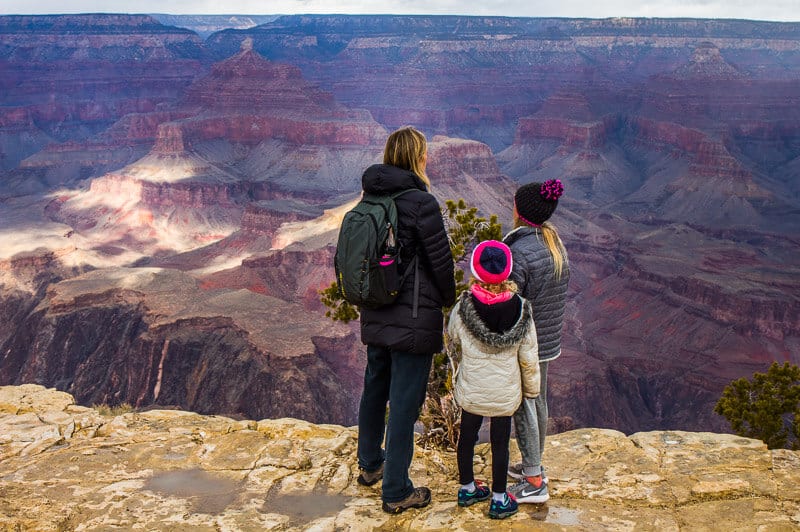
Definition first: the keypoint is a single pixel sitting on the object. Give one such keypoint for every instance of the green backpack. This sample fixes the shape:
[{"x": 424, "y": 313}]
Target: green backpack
[{"x": 367, "y": 252}]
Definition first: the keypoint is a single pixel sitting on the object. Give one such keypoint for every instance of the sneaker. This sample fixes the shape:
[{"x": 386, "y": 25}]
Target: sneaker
[
  {"x": 368, "y": 478},
  {"x": 419, "y": 498},
  {"x": 505, "y": 509},
  {"x": 468, "y": 498},
  {"x": 515, "y": 471},
  {"x": 525, "y": 491}
]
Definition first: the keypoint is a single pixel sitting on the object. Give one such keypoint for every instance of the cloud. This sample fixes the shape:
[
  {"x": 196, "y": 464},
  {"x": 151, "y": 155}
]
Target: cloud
[{"x": 786, "y": 10}]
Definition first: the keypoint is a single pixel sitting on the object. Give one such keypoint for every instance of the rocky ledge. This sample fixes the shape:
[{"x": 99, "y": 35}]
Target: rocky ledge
[{"x": 67, "y": 467}]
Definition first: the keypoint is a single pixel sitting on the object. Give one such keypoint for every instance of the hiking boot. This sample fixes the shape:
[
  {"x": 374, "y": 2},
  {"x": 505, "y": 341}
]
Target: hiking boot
[
  {"x": 468, "y": 498},
  {"x": 526, "y": 490},
  {"x": 368, "y": 478},
  {"x": 505, "y": 509},
  {"x": 419, "y": 498},
  {"x": 515, "y": 471}
]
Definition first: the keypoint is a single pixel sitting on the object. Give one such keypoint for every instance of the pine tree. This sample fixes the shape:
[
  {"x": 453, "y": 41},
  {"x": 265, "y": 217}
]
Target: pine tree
[
  {"x": 767, "y": 407},
  {"x": 441, "y": 417}
]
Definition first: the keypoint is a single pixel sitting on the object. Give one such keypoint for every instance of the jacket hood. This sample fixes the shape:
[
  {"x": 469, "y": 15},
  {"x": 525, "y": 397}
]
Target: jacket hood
[
  {"x": 474, "y": 324},
  {"x": 384, "y": 179},
  {"x": 518, "y": 233}
]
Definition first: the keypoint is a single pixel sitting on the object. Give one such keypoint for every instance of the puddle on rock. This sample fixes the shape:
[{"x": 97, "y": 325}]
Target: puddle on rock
[
  {"x": 304, "y": 507},
  {"x": 556, "y": 515},
  {"x": 209, "y": 494}
]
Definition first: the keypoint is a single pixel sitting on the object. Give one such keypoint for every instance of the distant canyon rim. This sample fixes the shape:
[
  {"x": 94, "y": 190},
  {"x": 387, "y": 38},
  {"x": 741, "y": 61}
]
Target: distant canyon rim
[{"x": 171, "y": 188}]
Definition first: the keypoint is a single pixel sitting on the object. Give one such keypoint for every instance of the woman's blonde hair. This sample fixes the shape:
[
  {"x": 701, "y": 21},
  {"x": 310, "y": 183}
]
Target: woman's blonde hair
[
  {"x": 506, "y": 286},
  {"x": 553, "y": 243},
  {"x": 407, "y": 148}
]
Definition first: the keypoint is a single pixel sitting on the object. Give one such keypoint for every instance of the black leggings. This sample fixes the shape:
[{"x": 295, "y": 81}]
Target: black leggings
[{"x": 500, "y": 433}]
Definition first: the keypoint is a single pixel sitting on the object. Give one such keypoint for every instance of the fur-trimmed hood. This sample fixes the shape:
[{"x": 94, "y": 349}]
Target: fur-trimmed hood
[
  {"x": 476, "y": 326},
  {"x": 495, "y": 370}
]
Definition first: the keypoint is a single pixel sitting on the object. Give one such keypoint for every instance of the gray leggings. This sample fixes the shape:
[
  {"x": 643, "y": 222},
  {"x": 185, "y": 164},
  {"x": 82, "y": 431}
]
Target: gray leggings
[{"x": 530, "y": 422}]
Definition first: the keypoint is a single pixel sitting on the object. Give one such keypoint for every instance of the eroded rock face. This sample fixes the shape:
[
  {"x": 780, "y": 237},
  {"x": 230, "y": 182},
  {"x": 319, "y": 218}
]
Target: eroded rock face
[
  {"x": 149, "y": 336},
  {"x": 65, "y": 83},
  {"x": 680, "y": 213},
  {"x": 66, "y": 467}
]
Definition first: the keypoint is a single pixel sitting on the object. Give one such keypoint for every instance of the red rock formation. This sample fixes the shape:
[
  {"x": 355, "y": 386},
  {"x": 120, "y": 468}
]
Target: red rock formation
[
  {"x": 451, "y": 159},
  {"x": 251, "y": 83},
  {"x": 248, "y": 99},
  {"x": 252, "y": 129},
  {"x": 150, "y": 337},
  {"x": 266, "y": 218},
  {"x": 75, "y": 75},
  {"x": 712, "y": 160},
  {"x": 588, "y": 135},
  {"x": 292, "y": 274},
  {"x": 644, "y": 125},
  {"x": 666, "y": 319},
  {"x": 669, "y": 137},
  {"x": 707, "y": 63}
]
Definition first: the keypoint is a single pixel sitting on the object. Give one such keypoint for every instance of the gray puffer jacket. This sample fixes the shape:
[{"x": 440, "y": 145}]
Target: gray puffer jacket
[
  {"x": 495, "y": 369},
  {"x": 534, "y": 274}
]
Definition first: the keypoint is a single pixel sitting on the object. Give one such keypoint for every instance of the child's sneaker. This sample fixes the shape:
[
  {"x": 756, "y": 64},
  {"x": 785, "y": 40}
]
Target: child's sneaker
[
  {"x": 501, "y": 510},
  {"x": 529, "y": 490},
  {"x": 515, "y": 471},
  {"x": 468, "y": 498}
]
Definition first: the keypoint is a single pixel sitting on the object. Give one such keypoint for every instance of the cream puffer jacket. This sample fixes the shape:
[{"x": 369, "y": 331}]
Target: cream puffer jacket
[{"x": 495, "y": 370}]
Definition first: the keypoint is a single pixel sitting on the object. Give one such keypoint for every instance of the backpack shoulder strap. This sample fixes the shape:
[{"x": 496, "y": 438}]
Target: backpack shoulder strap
[{"x": 411, "y": 268}]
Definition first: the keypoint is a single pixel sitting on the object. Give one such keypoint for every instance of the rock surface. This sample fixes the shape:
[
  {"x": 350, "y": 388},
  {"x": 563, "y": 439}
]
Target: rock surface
[{"x": 65, "y": 467}]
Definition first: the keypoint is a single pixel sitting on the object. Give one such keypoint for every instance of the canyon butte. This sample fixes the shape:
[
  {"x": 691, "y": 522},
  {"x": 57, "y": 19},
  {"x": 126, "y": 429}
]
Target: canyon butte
[{"x": 171, "y": 189}]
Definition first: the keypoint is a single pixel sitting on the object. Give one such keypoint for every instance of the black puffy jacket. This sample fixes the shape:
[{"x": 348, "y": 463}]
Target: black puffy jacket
[{"x": 420, "y": 232}]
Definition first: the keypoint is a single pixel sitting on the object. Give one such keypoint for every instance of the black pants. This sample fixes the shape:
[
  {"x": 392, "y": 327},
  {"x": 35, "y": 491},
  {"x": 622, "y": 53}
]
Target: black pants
[
  {"x": 500, "y": 433},
  {"x": 399, "y": 379}
]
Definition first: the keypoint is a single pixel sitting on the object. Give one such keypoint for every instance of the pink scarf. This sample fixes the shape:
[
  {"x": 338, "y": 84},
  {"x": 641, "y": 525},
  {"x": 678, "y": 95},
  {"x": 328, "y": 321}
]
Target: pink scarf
[{"x": 490, "y": 298}]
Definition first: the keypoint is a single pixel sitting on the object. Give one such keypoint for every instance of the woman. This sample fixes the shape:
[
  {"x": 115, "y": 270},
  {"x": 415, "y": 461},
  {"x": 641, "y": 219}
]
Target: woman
[
  {"x": 541, "y": 271},
  {"x": 402, "y": 337}
]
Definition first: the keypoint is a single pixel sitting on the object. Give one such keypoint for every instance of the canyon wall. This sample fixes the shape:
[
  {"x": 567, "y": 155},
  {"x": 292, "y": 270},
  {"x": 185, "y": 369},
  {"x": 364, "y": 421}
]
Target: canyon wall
[{"x": 222, "y": 167}]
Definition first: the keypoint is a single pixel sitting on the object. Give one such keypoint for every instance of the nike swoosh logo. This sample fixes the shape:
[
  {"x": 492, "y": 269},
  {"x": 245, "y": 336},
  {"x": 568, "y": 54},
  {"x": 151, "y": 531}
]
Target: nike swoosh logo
[{"x": 528, "y": 493}]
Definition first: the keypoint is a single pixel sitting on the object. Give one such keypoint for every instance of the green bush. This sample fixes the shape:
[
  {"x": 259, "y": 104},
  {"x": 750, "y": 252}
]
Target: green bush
[{"x": 767, "y": 407}]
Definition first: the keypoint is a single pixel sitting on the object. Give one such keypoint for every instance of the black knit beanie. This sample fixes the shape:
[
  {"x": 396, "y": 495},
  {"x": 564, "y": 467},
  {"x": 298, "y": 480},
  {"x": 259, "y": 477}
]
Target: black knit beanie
[{"x": 536, "y": 202}]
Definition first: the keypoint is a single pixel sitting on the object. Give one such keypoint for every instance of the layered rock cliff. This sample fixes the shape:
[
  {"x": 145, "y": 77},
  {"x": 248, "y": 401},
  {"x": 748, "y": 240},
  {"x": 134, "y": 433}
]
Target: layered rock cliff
[
  {"x": 66, "y": 467},
  {"x": 123, "y": 146},
  {"x": 498, "y": 70},
  {"x": 250, "y": 130},
  {"x": 151, "y": 336},
  {"x": 76, "y": 75}
]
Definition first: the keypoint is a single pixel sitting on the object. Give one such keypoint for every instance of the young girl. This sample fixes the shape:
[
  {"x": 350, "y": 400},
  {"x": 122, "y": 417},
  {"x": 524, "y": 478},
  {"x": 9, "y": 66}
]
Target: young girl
[
  {"x": 541, "y": 271},
  {"x": 499, "y": 365}
]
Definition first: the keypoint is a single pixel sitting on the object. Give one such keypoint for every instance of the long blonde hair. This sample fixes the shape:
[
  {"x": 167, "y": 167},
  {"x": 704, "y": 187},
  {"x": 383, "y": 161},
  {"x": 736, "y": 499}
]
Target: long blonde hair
[
  {"x": 553, "y": 243},
  {"x": 497, "y": 288},
  {"x": 407, "y": 148}
]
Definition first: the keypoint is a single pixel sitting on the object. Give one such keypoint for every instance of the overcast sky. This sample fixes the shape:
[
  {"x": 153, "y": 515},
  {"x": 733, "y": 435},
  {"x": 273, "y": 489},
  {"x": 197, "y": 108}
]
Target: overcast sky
[{"x": 784, "y": 10}]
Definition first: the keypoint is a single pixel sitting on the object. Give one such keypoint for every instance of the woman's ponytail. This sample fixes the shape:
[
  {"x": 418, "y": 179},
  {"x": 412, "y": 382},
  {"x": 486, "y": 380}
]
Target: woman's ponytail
[{"x": 556, "y": 248}]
